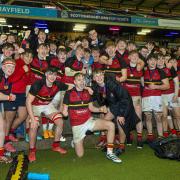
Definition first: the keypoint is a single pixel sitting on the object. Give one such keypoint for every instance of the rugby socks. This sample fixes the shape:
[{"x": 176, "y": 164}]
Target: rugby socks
[
  {"x": 139, "y": 136},
  {"x": 165, "y": 134},
  {"x": 122, "y": 146},
  {"x": 7, "y": 139},
  {"x": 50, "y": 127},
  {"x": 57, "y": 148},
  {"x": 44, "y": 127},
  {"x": 1, "y": 151},
  {"x": 27, "y": 130},
  {"x": 103, "y": 138},
  {"x": 110, "y": 147},
  {"x": 55, "y": 144},
  {"x": 11, "y": 131},
  {"x": 44, "y": 123},
  {"x": 173, "y": 131},
  {"x": 150, "y": 137},
  {"x": 32, "y": 149},
  {"x": 131, "y": 137}
]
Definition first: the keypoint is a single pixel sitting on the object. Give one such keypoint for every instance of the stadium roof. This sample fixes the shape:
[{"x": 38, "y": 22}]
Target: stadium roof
[{"x": 151, "y": 8}]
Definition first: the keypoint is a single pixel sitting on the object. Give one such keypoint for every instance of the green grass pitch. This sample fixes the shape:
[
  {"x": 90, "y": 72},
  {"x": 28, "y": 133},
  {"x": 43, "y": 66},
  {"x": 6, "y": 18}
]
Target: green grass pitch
[{"x": 137, "y": 165}]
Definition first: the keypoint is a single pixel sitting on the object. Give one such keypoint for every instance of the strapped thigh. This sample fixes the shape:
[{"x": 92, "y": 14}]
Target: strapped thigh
[{"x": 56, "y": 117}]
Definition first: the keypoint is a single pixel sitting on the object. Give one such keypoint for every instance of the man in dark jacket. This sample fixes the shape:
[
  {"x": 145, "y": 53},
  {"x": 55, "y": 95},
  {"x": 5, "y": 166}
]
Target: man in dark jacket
[{"x": 107, "y": 91}]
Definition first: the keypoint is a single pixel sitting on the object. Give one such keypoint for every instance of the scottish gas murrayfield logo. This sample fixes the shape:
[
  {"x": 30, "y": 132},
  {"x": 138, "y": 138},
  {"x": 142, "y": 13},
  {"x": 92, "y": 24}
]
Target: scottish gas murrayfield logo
[{"x": 64, "y": 14}]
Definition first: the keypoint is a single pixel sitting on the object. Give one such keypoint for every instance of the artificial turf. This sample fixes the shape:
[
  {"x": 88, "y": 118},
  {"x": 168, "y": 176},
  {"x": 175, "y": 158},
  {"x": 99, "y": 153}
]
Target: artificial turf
[{"x": 137, "y": 165}]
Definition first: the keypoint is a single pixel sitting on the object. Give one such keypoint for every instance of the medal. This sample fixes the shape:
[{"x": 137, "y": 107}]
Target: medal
[
  {"x": 40, "y": 65},
  {"x": 104, "y": 92},
  {"x": 80, "y": 97},
  {"x": 151, "y": 74},
  {"x": 5, "y": 87},
  {"x": 131, "y": 71}
]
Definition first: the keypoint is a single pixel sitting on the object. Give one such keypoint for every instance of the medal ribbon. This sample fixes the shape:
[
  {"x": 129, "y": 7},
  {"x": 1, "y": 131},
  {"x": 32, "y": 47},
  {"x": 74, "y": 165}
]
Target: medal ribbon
[
  {"x": 80, "y": 97},
  {"x": 40, "y": 64},
  {"x": 151, "y": 74},
  {"x": 6, "y": 84},
  {"x": 131, "y": 70}
]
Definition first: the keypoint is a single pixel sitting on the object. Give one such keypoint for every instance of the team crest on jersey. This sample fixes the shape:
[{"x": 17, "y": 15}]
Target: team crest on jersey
[
  {"x": 86, "y": 96},
  {"x": 166, "y": 71}
]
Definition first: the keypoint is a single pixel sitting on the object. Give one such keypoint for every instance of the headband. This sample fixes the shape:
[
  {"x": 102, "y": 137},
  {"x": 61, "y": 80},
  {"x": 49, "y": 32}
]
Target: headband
[{"x": 5, "y": 63}]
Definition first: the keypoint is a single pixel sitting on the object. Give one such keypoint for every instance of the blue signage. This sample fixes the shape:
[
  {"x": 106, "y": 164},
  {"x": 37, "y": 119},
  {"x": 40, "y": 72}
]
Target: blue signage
[
  {"x": 144, "y": 21},
  {"x": 93, "y": 16},
  {"x": 27, "y": 11}
]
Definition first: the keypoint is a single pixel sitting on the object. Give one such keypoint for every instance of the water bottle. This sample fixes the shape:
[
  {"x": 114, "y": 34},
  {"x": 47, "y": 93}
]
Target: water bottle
[{"x": 38, "y": 176}]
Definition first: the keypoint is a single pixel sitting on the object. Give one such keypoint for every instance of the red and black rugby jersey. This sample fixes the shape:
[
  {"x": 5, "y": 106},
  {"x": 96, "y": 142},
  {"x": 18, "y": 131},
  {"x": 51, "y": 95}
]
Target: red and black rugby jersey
[
  {"x": 171, "y": 74},
  {"x": 74, "y": 64},
  {"x": 38, "y": 68},
  {"x": 44, "y": 94},
  {"x": 57, "y": 64},
  {"x": 5, "y": 85},
  {"x": 20, "y": 79},
  {"x": 61, "y": 71},
  {"x": 154, "y": 76},
  {"x": 97, "y": 65},
  {"x": 123, "y": 56},
  {"x": 133, "y": 82},
  {"x": 115, "y": 69},
  {"x": 78, "y": 106}
]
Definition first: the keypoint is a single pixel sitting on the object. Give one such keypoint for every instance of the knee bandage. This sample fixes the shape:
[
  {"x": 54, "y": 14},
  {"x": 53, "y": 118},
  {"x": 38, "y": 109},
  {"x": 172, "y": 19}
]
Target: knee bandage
[{"x": 56, "y": 117}]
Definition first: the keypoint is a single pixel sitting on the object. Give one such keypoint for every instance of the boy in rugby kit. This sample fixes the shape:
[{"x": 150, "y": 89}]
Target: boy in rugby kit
[
  {"x": 155, "y": 81},
  {"x": 39, "y": 101},
  {"x": 169, "y": 96},
  {"x": 133, "y": 85},
  {"x": 78, "y": 105},
  {"x": 8, "y": 67}
]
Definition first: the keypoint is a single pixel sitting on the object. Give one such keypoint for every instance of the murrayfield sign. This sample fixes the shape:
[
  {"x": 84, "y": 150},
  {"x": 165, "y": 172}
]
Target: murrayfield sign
[
  {"x": 27, "y": 11},
  {"x": 98, "y": 18}
]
